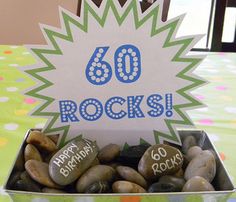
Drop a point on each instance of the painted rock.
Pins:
(197, 183)
(132, 155)
(31, 152)
(95, 174)
(98, 187)
(189, 141)
(72, 160)
(203, 165)
(177, 181)
(159, 187)
(41, 141)
(127, 187)
(131, 175)
(109, 153)
(38, 171)
(159, 160)
(193, 152)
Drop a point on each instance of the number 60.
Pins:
(127, 61)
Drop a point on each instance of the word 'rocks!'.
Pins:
(72, 160)
(159, 160)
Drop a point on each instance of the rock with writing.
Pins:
(72, 160)
(159, 160)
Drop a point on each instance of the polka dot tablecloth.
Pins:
(217, 118)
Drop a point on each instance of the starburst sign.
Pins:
(115, 74)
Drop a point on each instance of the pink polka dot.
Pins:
(221, 88)
(200, 97)
(206, 122)
(1, 78)
(30, 100)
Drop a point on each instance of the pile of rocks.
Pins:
(80, 167)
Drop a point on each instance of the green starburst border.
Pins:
(133, 7)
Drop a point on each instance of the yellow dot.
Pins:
(216, 79)
(233, 122)
(226, 98)
(3, 141)
(20, 58)
(21, 112)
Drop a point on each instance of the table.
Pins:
(218, 118)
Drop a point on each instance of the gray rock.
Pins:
(193, 152)
(98, 187)
(160, 187)
(31, 152)
(203, 165)
(197, 183)
(23, 185)
(127, 187)
(95, 174)
(129, 174)
(41, 141)
(189, 141)
(160, 160)
(38, 171)
(178, 182)
(71, 161)
(109, 153)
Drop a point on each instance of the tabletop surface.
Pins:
(217, 118)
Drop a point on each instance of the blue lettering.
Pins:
(109, 111)
(68, 109)
(157, 108)
(134, 110)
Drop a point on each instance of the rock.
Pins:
(34, 186)
(54, 138)
(178, 182)
(41, 141)
(95, 162)
(109, 153)
(98, 187)
(159, 187)
(47, 157)
(159, 160)
(193, 152)
(31, 152)
(38, 171)
(132, 155)
(95, 174)
(129, 174)
(179, 173)
(127, 187)
(19, 164)
(203, 165)
(51, 190)
(72, 160)
(23, 185)
(197, 183)
(13, 179)
(189, 141)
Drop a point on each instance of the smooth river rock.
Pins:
(109, 153)
(160, 187)
(98, 187)
(203, 165)
(189, 141)
(31, 152)
(193, 152)
(197, 184)
(38, 171)
(132, 155)
(127, 187)
(129, 174)
(41, 141)
(176, 181)
(95, 174)
(159, 160)
(71, 161)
